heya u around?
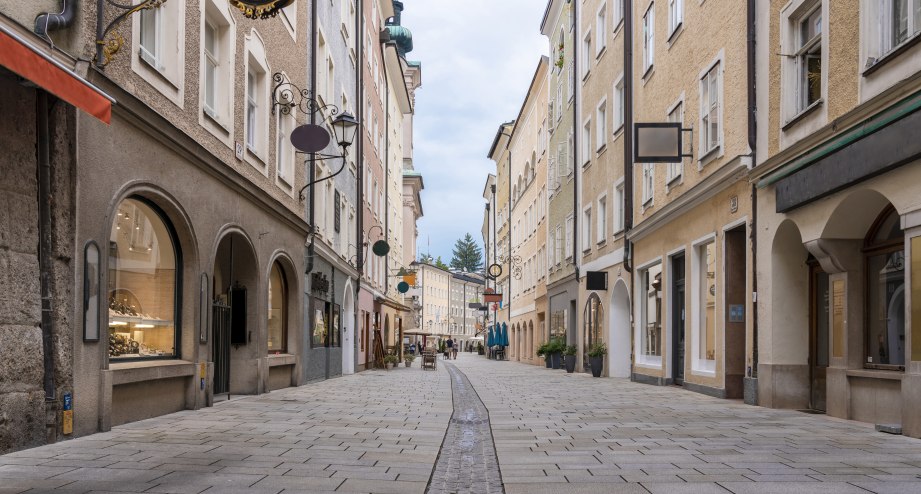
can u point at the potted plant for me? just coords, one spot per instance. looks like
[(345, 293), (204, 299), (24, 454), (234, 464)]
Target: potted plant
[(555, 350), (569, 354), (596, 358), (391, 360), (408, 358), (542, 352), (479, 349)]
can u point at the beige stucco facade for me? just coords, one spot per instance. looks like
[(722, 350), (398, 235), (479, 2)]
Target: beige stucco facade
[(838, 327), (691, 256), (528, 148)]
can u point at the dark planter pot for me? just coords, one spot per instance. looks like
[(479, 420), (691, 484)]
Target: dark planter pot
[(597, 364), (480, 351), (570, 362), (556, 358), (547, 361)]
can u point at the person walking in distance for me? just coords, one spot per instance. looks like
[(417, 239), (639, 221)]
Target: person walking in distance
[(449, 347)]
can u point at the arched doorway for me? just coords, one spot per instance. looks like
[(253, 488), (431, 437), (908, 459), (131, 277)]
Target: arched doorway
[(619, 349), (594, 321), (236, 342), (348, 330), (884, 254), (790, 321), (277, 324)]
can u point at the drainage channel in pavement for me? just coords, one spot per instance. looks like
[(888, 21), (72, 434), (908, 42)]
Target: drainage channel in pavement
[(467, 461)]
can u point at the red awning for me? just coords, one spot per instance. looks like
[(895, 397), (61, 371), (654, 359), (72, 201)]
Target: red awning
[(18, 56)]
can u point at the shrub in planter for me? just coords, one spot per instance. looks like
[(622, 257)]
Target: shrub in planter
[(555, 349), (569, 354), (391, 360), (596, 358), (542, 351), (409, 359)]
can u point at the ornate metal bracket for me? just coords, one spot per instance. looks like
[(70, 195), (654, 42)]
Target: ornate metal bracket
[(514, 264), (288, 97), (106, 47)]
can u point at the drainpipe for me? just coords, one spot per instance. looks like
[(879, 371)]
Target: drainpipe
[(47, 22), (628, 139), (359, 163), (386, 211), (576, 167), (42, 107), (752, 144), (312, 169)]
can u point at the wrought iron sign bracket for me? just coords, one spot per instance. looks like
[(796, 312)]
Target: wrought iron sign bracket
[(106, 47)]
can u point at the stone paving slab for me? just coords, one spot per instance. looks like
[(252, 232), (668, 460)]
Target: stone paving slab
[(669, 440)]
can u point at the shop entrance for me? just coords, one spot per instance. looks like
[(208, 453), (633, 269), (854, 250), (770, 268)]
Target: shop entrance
[(678, 311), (736, 287), (233, 348), (818, 334)]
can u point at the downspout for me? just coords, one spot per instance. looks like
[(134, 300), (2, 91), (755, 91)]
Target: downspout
[(359, 163), (752, 144), (628, 139), (495, 240), (47, 22), (386, 171), (45, 197), (510, 223), (576, 166), (312, 169)]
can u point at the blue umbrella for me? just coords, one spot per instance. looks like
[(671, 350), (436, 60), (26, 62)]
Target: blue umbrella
[(489, 338), (504, 338)]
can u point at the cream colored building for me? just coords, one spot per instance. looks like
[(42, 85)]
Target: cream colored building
[(604, 314), (502, 228), (691, 255), (839, 214), (435, 299), (528, 158)]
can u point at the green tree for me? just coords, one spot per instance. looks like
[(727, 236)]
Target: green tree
[(439, 263), (426, 258), (467, 255)]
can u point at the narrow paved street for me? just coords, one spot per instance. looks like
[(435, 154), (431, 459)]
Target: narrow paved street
[(551, 432)]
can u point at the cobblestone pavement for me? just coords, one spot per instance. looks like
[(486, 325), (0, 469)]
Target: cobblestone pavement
[(554, 432), (376, 431), (467, 462), (573, 434)]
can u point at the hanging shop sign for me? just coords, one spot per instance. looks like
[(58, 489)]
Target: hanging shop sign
[(260, 9)]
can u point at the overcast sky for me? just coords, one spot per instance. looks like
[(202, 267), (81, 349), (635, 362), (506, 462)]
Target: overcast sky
[(478, 58)]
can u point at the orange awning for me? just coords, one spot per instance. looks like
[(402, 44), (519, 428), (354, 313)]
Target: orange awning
[(20, 57)]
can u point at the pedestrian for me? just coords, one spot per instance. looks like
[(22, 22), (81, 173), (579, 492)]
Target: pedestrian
[(454, 352), (412, 348), (449, 349)]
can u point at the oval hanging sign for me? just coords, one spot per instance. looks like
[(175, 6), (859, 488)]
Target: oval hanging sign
[(260, 9)]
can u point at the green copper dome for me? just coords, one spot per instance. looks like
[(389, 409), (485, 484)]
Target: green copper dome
[(399, 34)]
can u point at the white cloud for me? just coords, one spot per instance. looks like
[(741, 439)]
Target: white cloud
[(477, 63)]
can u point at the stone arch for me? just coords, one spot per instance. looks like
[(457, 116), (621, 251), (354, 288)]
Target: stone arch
[(292, 296), (347, 320), (619, 333)]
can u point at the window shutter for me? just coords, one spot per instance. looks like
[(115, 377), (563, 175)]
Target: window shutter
[(337, 211)]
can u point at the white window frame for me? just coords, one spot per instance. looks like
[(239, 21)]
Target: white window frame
[(289, 19), (601, 220), (601, 28), (644, 359), (649, 38), (702, 366), (255, 61), (586, 147), (648, 178), (218, 120), (884, 42), (617, 17), (619, 102), (586, 54), (587, 229), (601, 125), (675, 171), (164, 70), (284, 151), (570, 227), (559, 247), (619, 207), (675, 16), (714, 71)]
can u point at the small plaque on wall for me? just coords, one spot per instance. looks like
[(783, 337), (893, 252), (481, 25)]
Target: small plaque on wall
[(736, 313)]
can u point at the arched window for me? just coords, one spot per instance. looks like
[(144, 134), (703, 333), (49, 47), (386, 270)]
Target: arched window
[(884, 250), (143, 287), (594, 320), (278, 310)]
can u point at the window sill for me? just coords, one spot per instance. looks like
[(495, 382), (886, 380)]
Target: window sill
[(585, 76), (708, 157), (870, 373), (894, 53), (215, 122), (647, 74), (600, 53), (619, 131), (149, 370), (802, 114), (674, 34), (601, 150), (618, 27), (280, 359), (600, 243)]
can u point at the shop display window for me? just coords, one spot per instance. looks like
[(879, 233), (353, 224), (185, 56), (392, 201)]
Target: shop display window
[(885, 297), (277, 317), (142, 283)]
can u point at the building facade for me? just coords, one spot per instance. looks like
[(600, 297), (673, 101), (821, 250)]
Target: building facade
[(466, 288), (839, 319)]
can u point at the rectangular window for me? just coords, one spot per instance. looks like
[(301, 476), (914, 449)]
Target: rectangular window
[(559, 245), (551, 252), (617, 13), (572, 79), (559, 102), (252, 107), (601, 127), (809, 58), (210, 47), (710, 110), (619, 104), (602, 233), (284, 152), (586, 54), (898, 21), (586, 147), (587, 229), (675, 170), (648, 38), (320, 321), (651, 300), (675, 15), (705, 325), (619, 208), (570, 221), (601, 26), (648, 182), (151, 37)]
